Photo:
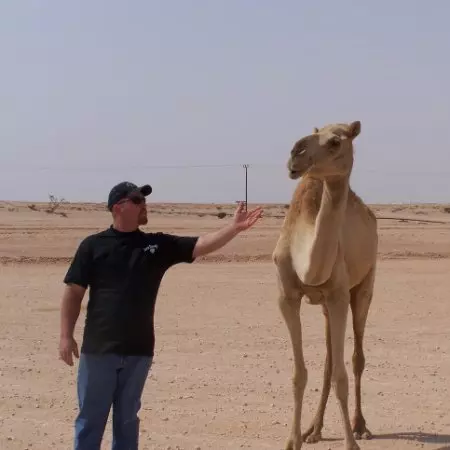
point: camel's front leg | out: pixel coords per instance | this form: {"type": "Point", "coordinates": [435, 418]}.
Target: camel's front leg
{"type": "Point", "coordinates": [338, 306]}
{"type": "Point", "coordinates": [314, 432]}
{"type": "Point", "coordinates": [290, 310]}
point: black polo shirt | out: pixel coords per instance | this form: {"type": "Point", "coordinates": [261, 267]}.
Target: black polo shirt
{"type": "Point", "coordinates": [123, 271]}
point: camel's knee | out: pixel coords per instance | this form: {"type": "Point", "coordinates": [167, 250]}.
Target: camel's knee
{"type": "Point", "coordinates": [339, 381]}
{"type": "Point", "coordinates": [359, 362]}
{"type": "Point", "coordinates": [299, 381]}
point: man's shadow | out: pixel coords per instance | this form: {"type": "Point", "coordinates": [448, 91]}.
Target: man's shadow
{"type": "Point", "coordinates": [424, 438]}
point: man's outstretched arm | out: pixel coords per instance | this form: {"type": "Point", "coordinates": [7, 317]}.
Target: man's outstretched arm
{"type": "Point", "coordinates": [213, 241]}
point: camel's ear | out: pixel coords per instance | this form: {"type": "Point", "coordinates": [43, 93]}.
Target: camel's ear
{"type": "Point", "coordinates": [354, 129]}
{"type": "Point", "coordinates": [315, 130]}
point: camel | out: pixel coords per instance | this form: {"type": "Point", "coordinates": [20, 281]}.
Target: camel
{"type": "Point", "coordinates": [327, 253]}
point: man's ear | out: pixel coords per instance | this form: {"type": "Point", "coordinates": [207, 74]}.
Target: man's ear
{"type": "Point", "coordinates": [354, 129]}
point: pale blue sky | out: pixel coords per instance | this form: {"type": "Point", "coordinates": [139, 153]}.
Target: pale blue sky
{"type": "Point", "coordinates": [95, 92]}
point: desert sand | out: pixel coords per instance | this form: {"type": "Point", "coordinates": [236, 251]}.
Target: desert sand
{"type": "Point", "coordinates": [221, 377]}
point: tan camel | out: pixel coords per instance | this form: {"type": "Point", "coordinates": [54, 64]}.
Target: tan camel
{"type": "Point", "coordinates": [327, 252]}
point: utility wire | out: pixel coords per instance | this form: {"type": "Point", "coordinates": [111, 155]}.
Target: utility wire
{"type": "Point", "coordinates": [140, 166]}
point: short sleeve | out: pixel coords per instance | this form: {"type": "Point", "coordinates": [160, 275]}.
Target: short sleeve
{"type": "Point", "coordinates": [178, 249]}
{"type": "Point", "coordinates": [80, 269]}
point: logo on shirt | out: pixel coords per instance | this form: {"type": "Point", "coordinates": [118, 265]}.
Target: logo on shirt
{"type": "Point", "coordinates": [151, 248]}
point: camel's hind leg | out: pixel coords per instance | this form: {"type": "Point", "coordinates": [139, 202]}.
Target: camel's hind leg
{"type": "Point", "coordinates": [314, 432]}
{"type": "Point", "coordinates": [337, 306]}
{"type": "Point", "coordinates": [361, 298]}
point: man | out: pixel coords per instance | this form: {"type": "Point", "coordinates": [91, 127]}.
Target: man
{"type": "Point", "coordinates": [123, 267]}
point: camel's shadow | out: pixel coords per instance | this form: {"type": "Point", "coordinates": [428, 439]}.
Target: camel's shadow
{"type": "Point", "coordinates": [424, 438]}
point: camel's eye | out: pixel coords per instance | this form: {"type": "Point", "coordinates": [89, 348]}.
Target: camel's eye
{"type": "Point", "coordinates": [334, 142]}
{"type": "Point", "coordinates": [299, 149]}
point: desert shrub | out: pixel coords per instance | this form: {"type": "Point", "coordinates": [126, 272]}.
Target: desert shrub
{"type": "Point", "coordinates": [54, 203]}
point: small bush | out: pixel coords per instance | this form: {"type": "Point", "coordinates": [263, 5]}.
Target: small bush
{"type": "Point", "coordinates": [54, 203]}
{"type": "Point", "coordinates": [221, 215]}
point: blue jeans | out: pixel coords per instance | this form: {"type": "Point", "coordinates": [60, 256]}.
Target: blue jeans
{"type": "Point", "coordinates": [105, 381]}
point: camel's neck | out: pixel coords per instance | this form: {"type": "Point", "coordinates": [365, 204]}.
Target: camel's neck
{"type": "Point", "coordinates": [316, 239]}
{"type": "Point", "coordinates": [332, 209]}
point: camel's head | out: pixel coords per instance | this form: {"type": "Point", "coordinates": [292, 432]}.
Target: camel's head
{"type": "Point", "coordinates": [326, 152]}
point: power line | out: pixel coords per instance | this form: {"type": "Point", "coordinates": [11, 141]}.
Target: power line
{"type": "Point", "coordinates": [131, 167]}
{"type": "Point", "coordinates": [128, 167]}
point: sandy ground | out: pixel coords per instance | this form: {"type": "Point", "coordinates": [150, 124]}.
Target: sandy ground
{"type": "Point", "coordinates": [221, 377]}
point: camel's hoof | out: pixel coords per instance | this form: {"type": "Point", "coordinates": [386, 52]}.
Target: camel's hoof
{"type": "Point", "coordinates": [360, 431]}
{"type": "Point", "coordinates": [312, 435]}
{"type": "Point", "coordinates": [365, 434]}
{"type": "Point", "coordinates": [313, 438]}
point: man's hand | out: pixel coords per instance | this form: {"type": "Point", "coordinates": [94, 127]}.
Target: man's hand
{"type": "Point", "coordinates": [246, 219]}
{"type": "Point", "coordinates": [70, 310]}
{"type": "Point", "coordinates": [213, 241]}
{"type": "Point", "coordinates": [67, 348]}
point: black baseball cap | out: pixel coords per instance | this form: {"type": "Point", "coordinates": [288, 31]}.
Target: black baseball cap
{"type": "Point", "coordinates": [124, 190]}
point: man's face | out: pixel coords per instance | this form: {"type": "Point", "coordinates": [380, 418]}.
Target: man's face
{"type": "Point", "coordinates": [133, 208]}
